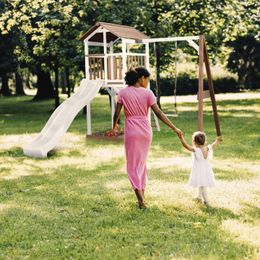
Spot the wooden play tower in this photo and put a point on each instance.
(108, 56)
(112, 49)
(115, 56)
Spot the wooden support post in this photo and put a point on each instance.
(200, 87)
(115, 67)
(105, 54)
(121, 67)
(123, 60)
(94, 67)
(100, 68)
(130, 62)
(211, 91)
(87, 75)
(90, 69)
(111, 61)
(147, 65)
(86, 59)
(112, 97)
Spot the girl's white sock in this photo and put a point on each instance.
(200, 193)
(204, 194)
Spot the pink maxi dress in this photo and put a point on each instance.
(138, 132)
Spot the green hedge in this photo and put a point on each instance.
(186, 85)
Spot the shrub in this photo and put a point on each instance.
(187, 85)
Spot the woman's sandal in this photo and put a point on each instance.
(142, 205)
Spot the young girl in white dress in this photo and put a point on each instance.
(201, 175)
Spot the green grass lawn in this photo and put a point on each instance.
(78, 203)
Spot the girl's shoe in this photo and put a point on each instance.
(206, 203)
(199, 200)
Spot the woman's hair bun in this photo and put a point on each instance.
(132, 76)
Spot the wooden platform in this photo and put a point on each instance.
(103, 136)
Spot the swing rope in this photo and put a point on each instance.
(176, 80)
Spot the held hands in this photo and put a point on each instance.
(219, 139)
(178, 132)
(113, 132)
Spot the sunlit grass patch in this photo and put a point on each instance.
(243, 232)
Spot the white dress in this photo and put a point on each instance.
(201, 173)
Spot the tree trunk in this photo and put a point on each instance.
(72, 84)
(27, 80)
(44, 85)
(63, 82)
(19, 85)
(68, 81)
(5, 91)
(57, 98)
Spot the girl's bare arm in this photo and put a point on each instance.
(186, 145)
(216, 142)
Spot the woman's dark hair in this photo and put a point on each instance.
(132, 76)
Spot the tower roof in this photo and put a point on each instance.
(114, 31)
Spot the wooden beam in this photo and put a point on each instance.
(211, 91)
(206, 94)
(193, 45)
(169, 39)
(95, 43)
(123, 65)
(200, 83)
(86, 49)
(147, 65)
(111, 49)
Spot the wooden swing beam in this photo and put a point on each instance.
(203, 59)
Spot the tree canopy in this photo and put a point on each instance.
(43, 35)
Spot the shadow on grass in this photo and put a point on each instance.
(15, 152)
(219, 213)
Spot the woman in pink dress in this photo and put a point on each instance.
(137, 100)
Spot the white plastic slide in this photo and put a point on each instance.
(61, 119)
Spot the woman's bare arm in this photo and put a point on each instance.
(117, 114)
(158, 112)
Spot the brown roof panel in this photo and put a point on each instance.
(115, 31)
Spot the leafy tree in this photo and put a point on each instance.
(245, 61)
(7, 62)
(50, 33)
(244, 58)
